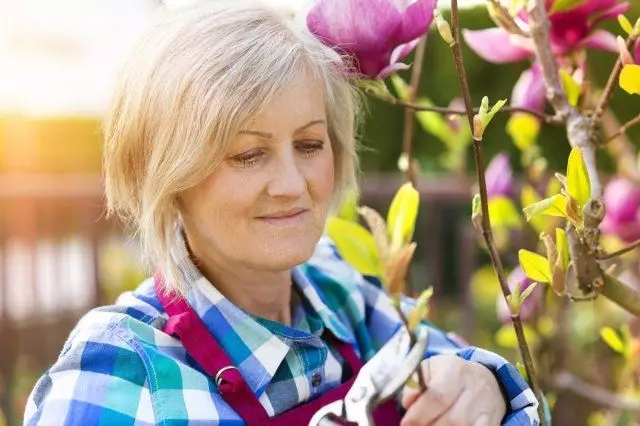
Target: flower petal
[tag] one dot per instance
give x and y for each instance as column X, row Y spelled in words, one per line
column 601, row 40
column 416, row 19
column 497, row 45
column 353, row 28
column 529, row 91
column 499, row 176
column 612, row 13
column 590, row 7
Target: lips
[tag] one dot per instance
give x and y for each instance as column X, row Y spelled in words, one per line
column 283, row 215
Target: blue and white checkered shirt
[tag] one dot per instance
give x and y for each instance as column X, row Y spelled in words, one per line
column 119, row 368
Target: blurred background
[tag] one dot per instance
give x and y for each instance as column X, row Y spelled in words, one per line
column 59, row 257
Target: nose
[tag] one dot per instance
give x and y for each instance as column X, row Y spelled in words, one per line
column 288, row 179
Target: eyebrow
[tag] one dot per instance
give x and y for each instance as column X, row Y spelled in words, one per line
column 267, row 135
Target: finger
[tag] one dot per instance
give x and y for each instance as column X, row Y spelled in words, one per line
column 471, row 408
column 443, row 388
column 411, row 394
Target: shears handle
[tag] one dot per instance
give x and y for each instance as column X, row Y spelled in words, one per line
column 334, row 420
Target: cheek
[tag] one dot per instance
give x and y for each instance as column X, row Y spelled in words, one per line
column 323, row 178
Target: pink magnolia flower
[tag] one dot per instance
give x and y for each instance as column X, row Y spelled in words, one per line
column 531, row 305
column 622, row 203
column 571, row 30
column 377, row 34
column 499, row 177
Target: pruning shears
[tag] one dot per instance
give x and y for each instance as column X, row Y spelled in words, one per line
column 380, row 379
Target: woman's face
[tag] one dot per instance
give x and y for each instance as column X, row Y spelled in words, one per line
column 265, row 206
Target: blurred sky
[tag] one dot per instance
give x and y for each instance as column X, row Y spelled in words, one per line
column 59, row 57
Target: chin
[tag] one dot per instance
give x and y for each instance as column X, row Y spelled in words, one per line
column 286, row 254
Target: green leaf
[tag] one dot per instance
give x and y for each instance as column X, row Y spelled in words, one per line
column 376, row 87
column 571, row 88
column 625, row 24
column 562, row 5
column 434, row 123
column 503, row 212
column 612, row 339
column 535, row 266
column 524, row 130
column 562, row 245
column 630, row 79
column 400, row 86
column 527, row 292
column 528, row 197
column 578, row 184
column 401, row 220
column 348, row 209
column 553, row 206
column 356, row 245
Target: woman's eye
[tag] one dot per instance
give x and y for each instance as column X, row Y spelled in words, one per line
column 310, row 147
column 247, row 159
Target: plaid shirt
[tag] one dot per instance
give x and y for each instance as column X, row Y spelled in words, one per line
column 119, row 368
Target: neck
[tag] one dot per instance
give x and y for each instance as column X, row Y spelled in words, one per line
column 265, row 294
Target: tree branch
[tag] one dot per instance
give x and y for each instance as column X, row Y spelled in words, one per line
column 608, row 88
column 549, row 119
column 620, row 252
column 409, row 113
column 624, row 128
column 595, row 393
column 486, row 221
column 620, row 293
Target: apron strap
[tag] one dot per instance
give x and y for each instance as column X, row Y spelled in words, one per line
column 185, row 324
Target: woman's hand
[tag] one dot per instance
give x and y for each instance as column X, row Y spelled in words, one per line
column 458, row 393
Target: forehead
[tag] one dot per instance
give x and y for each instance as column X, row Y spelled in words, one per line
column 300, row 100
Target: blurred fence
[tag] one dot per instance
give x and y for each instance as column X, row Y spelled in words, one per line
column 53, row 234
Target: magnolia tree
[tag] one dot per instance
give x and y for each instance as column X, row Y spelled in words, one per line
column 584, row 226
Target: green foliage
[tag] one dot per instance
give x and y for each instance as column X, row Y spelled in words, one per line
column 536, row 267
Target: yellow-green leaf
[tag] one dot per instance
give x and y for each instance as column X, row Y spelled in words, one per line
column 612, row 339
column 535, row 266
column 553, row 206
column 527, row 292
column 434, row 123
column 356, row 245
column 578, row 184
column 524, row 130
column 625, row 24
column 528, row 197
column 349, row 206
column 571, row 88
column 630, row 79
column 401, row 219
column 400, row 86
column 503, row 213
column 562, row 245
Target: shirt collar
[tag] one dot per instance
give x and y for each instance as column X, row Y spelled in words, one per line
column 258, row 347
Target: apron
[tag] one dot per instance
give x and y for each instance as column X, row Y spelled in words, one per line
column 185, row 324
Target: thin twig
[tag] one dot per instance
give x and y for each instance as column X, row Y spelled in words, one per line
column 605, row 97
column 595, row 393
column 624, row 128
column 486, row 221
column 409, row 113
column 622, row 251
column 507, row 21
column 453, row 111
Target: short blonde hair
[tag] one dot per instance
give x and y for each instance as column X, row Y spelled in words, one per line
column 196, row 77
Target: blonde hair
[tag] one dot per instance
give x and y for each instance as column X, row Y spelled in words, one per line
column 195, row 78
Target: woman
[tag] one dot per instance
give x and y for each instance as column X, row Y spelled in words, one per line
column 230, row 137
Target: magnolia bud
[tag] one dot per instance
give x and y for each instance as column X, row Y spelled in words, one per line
column 625, row 56
column 443, row 28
